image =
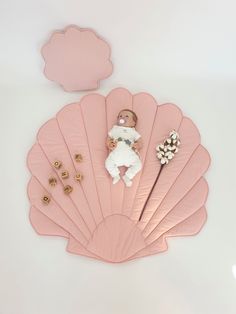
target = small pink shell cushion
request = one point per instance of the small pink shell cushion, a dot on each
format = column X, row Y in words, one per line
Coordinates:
column 77, row 59
column 99, row 219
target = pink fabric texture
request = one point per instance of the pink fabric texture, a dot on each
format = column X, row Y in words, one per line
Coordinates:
column 78, row 59
column 99, row 219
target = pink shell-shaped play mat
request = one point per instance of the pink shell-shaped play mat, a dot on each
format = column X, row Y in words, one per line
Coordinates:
column 77, row 59
column 99, row 219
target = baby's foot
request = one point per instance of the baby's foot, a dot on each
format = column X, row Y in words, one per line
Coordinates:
column 127, row 181
column 116, row 179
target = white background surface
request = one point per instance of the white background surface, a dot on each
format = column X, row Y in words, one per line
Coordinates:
column 179, row 51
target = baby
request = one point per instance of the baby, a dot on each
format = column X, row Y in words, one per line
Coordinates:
column 123, row 143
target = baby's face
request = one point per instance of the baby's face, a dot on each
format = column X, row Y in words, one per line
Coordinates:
column 125, row 118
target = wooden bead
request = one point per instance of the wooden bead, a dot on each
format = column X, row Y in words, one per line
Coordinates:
column 78, row 157
column 65, row 174
column 46, row 199
column 57, row 164
column 68, row 189
column 52, row 181
column 79, row 177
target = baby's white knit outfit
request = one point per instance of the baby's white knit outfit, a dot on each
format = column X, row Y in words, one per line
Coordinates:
column 123, row 154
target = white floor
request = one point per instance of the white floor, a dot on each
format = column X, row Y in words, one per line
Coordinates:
column 179, row 51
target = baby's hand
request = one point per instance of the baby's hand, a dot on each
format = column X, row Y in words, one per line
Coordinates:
column 137, row 145
column 111, row 143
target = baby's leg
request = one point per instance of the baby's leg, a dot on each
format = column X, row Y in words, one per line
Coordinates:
column 112, row 168
column 133, row 169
